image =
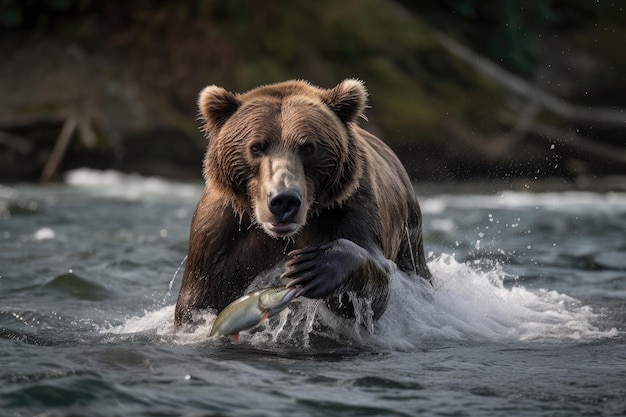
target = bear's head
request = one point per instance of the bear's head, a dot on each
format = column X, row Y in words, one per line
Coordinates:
column 283, row 152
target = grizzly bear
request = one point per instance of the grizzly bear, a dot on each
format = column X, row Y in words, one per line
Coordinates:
column 291, row 179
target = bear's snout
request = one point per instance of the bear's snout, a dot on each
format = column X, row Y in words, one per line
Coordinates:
column 285, row 204
column 281, row 196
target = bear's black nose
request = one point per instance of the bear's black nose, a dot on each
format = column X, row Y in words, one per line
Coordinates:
column 285, row 204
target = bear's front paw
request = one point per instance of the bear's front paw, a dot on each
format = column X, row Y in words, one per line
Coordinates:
column 322, row 270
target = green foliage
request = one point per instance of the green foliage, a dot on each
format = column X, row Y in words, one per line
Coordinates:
column 504, row 30
column 174, row 48
column 21, row 14
column 507, row 30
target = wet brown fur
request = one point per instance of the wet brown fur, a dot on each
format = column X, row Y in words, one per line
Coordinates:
column 354, row 188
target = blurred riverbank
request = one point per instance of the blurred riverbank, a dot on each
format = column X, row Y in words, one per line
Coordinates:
column 459, row 90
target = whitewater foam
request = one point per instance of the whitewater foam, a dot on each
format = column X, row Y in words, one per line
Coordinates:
column 44, row 233
column 573, row 201
column 132, row 187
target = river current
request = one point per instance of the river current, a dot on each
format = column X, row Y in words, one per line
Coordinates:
column 526, row 315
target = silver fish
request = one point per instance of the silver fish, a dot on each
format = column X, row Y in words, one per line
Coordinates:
column 250, row 310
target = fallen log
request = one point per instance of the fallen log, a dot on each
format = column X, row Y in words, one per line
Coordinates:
column 75, row 122
column 60, row 147
column 15, row 142
column 522, row 88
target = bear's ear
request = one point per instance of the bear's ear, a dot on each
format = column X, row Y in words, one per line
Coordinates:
column 347, row 100
column 216, row 106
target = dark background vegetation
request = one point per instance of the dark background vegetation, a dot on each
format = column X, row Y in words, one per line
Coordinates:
column 113, row 84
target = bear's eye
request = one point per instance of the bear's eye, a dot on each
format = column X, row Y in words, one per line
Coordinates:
column 307, row 149
column 256, row 149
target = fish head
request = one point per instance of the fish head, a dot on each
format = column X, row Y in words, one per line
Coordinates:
column 275, row 299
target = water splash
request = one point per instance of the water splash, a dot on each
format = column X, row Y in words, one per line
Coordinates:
column 466, row 302
column 472, row 303
column 169, row 290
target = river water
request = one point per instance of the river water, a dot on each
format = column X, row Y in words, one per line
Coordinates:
column 526, row 316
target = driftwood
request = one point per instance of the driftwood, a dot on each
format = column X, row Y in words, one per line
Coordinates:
column 615, row 154
column 74, row 123
column 15, row 142
column 520, row 87
column 526, row 122
column 63, row 141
